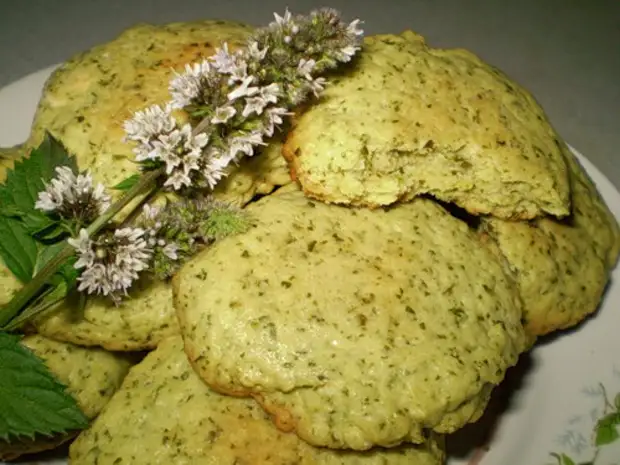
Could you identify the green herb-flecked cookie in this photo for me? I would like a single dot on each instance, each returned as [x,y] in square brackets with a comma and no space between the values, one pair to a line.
[86,100]
[561,267]
[91,376]
[409,120]
[165,414]
[352,327]
[138,323]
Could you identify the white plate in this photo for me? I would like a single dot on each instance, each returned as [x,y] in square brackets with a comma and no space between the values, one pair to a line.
[561,388]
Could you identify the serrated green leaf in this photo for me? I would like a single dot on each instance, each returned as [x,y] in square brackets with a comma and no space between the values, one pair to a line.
[607,429]
[617,401]
[127,183]
[34,221]
[18,249]
[10,210]
[28,177]
[32,401]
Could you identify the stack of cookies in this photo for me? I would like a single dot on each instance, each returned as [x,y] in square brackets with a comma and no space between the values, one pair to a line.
[414,232]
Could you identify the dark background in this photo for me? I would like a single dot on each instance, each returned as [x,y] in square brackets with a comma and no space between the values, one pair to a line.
[567,52]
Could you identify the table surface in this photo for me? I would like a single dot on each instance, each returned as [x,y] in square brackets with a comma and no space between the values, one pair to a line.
[566,52]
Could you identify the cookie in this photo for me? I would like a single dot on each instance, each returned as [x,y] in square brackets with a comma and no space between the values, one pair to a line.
[407,120]
[165,414]
[353,327]
[561,266]
[137,323]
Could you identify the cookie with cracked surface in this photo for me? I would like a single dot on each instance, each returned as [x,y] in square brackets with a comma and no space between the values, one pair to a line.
[408,119]
[353,327]
[164,413]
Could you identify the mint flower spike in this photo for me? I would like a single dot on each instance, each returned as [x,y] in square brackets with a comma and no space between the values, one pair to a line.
[111,262]
[180,229]
[73,197]
[234,100]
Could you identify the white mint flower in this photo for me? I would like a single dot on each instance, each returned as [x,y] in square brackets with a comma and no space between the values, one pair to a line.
[145,152]
[267,94]
[184,88]
[170,250]
[112,262]
[238,72]
[305,67]
[274,118]
[178,179]
[243,90]
[270,93]
[255,53]
[347,53]
[132,251]
[317,85]
[50,199]
[148,123]
[84,247]
[353,28]
[214,170]
[223,114]
[245,144]
[180,151]
[199,70]
[283,20]
[253,105]
[94,280]
[223,60]
[73,196]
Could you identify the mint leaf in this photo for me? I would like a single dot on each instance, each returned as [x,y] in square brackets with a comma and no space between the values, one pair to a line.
[617,401]
[607,429]
[127,183]
[35,221]
[51,233]
[28,177]
[18,249]
[32,401]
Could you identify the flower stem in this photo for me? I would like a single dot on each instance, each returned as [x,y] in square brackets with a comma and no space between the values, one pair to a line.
[35,286]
